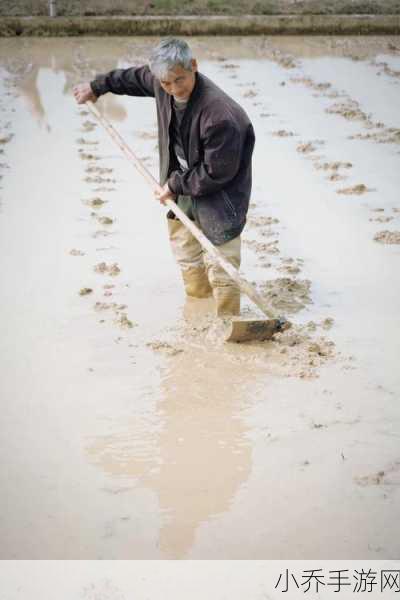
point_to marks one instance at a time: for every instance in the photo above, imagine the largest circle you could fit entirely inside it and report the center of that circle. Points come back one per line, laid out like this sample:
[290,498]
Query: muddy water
[129,429]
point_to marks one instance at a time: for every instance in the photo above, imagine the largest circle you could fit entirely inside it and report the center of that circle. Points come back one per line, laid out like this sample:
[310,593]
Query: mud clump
[318,348]
[350,111]
[306,148]
[104,189]
[98,179]
[389,135]
[105,269]
[336,177]
[100,306]
[384,68]
[6,139]
[283,133]
[388,237]
[333,166]
[262,221]
[85,291]
[82,142]
[88,156]
[263,247]
[287,295]
[390,475]
[290,269]
[164,347]
[250,94]
[229,66]
[327,323]
[105,220]
[290,266]
[375,479]
[121,317]
[123,322]
[95,202]
[99,170]
[284,60]
[299,354]
[355,190]
[308,82]
[88,126]
[382,219]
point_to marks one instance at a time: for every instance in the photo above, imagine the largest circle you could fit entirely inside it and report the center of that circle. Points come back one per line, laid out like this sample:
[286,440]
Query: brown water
[159,440]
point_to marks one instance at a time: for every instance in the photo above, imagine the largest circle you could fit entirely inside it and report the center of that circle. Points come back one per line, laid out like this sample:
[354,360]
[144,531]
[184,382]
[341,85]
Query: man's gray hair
[170,53]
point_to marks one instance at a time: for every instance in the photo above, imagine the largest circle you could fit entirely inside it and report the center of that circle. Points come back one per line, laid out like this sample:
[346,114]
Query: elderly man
[206,143]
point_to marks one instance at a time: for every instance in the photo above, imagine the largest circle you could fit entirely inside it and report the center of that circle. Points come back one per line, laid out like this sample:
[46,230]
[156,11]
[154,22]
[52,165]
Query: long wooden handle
[244,285]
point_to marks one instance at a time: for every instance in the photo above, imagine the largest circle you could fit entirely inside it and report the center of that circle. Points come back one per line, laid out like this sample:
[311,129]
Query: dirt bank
[200,25]
[199,7]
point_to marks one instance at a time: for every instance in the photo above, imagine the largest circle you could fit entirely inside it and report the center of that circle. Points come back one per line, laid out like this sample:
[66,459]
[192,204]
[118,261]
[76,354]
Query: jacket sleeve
[135,81]
[222,144]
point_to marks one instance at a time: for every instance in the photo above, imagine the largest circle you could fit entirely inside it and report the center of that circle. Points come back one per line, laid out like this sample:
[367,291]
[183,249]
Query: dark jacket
[218,140]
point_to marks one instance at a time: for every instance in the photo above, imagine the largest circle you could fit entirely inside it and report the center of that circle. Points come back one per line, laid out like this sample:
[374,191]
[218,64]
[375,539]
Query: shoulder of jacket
[223,110]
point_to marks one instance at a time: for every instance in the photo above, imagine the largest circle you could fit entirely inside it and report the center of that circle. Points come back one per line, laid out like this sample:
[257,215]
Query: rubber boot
[227,299]
[196,282]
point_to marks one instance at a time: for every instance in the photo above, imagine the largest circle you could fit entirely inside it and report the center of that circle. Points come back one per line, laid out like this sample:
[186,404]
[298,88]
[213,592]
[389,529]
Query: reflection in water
[202,445]
[29,91]
[28,62]
[196,456]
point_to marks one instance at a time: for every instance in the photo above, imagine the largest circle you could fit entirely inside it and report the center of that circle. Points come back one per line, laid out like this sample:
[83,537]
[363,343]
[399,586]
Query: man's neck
[179,105]
[181,102]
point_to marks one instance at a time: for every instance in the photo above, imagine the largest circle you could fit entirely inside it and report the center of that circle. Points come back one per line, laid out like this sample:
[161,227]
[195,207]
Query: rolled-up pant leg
[201,274]
[225,291]
[189,255]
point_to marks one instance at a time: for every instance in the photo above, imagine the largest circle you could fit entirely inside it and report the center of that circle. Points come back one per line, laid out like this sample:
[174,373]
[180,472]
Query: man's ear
[194,65]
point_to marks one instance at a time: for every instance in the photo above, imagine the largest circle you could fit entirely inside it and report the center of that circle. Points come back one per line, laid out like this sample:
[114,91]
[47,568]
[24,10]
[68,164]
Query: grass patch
[198,7]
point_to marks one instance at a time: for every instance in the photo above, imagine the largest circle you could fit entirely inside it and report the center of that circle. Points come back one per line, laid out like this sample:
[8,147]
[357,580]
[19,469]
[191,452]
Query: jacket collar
[196,90]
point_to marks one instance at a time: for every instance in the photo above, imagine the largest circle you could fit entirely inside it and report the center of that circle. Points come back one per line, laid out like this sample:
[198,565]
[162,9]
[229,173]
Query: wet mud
[103,268]
[388,237]
[355,190]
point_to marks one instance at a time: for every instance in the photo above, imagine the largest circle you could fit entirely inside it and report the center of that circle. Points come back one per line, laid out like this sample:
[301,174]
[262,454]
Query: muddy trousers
[201,275]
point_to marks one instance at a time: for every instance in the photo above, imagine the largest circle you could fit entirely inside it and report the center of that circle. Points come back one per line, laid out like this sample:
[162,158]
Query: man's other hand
[164,194]
[83,92]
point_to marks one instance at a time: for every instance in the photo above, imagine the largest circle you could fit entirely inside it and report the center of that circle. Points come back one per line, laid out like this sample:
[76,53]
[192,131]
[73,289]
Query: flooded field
[129,429]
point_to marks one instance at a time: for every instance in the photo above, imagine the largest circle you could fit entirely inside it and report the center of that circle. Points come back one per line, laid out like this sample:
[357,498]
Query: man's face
[179,82]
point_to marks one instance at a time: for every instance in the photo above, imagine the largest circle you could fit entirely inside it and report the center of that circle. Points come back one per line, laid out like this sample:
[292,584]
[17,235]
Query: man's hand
[83,92]
[165,194]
